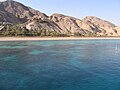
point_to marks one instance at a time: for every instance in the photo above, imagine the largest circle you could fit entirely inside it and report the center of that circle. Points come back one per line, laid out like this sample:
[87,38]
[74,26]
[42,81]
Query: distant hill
[27,21]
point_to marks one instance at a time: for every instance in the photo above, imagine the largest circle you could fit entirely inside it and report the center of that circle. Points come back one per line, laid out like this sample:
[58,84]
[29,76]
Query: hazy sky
[105,9]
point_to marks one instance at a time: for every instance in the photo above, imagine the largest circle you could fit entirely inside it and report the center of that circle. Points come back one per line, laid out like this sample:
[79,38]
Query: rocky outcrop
[118,30]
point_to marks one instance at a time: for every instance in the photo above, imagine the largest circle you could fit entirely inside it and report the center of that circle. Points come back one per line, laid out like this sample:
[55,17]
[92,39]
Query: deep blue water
[60,65]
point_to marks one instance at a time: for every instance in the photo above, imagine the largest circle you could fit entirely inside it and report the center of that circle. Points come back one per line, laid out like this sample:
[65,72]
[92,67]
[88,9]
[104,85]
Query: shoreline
[53,38]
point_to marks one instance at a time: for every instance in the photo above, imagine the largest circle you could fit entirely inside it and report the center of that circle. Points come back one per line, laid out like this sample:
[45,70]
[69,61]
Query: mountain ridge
[33,20]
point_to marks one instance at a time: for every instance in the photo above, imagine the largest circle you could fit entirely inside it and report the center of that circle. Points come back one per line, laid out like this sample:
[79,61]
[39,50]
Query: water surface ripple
[60,65]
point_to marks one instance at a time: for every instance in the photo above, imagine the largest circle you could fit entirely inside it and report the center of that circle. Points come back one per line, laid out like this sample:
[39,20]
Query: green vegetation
[16,30]
[78,34]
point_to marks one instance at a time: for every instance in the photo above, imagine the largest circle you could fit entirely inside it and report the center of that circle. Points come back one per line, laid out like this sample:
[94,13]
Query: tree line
[16,30]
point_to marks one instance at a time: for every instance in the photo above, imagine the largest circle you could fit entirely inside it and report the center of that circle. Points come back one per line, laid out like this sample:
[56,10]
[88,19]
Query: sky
[105,9]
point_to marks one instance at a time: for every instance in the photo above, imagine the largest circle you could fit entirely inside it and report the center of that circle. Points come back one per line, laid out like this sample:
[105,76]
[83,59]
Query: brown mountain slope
[70,25]
[15,12]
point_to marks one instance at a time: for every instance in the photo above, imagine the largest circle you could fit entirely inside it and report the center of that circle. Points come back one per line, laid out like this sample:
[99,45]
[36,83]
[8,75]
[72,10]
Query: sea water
[60,65]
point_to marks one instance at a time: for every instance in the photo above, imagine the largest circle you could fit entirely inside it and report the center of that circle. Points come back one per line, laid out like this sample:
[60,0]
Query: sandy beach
[52,38]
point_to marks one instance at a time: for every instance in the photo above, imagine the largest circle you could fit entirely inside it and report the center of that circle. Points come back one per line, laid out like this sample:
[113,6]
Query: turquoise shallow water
[60,65]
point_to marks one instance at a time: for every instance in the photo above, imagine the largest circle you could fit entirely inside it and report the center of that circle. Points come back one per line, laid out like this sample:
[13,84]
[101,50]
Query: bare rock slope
[15,12]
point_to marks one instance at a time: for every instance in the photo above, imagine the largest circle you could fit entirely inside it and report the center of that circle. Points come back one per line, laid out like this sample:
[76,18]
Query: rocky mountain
[15,12]
[89,26]
[33,20]
[99,26]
